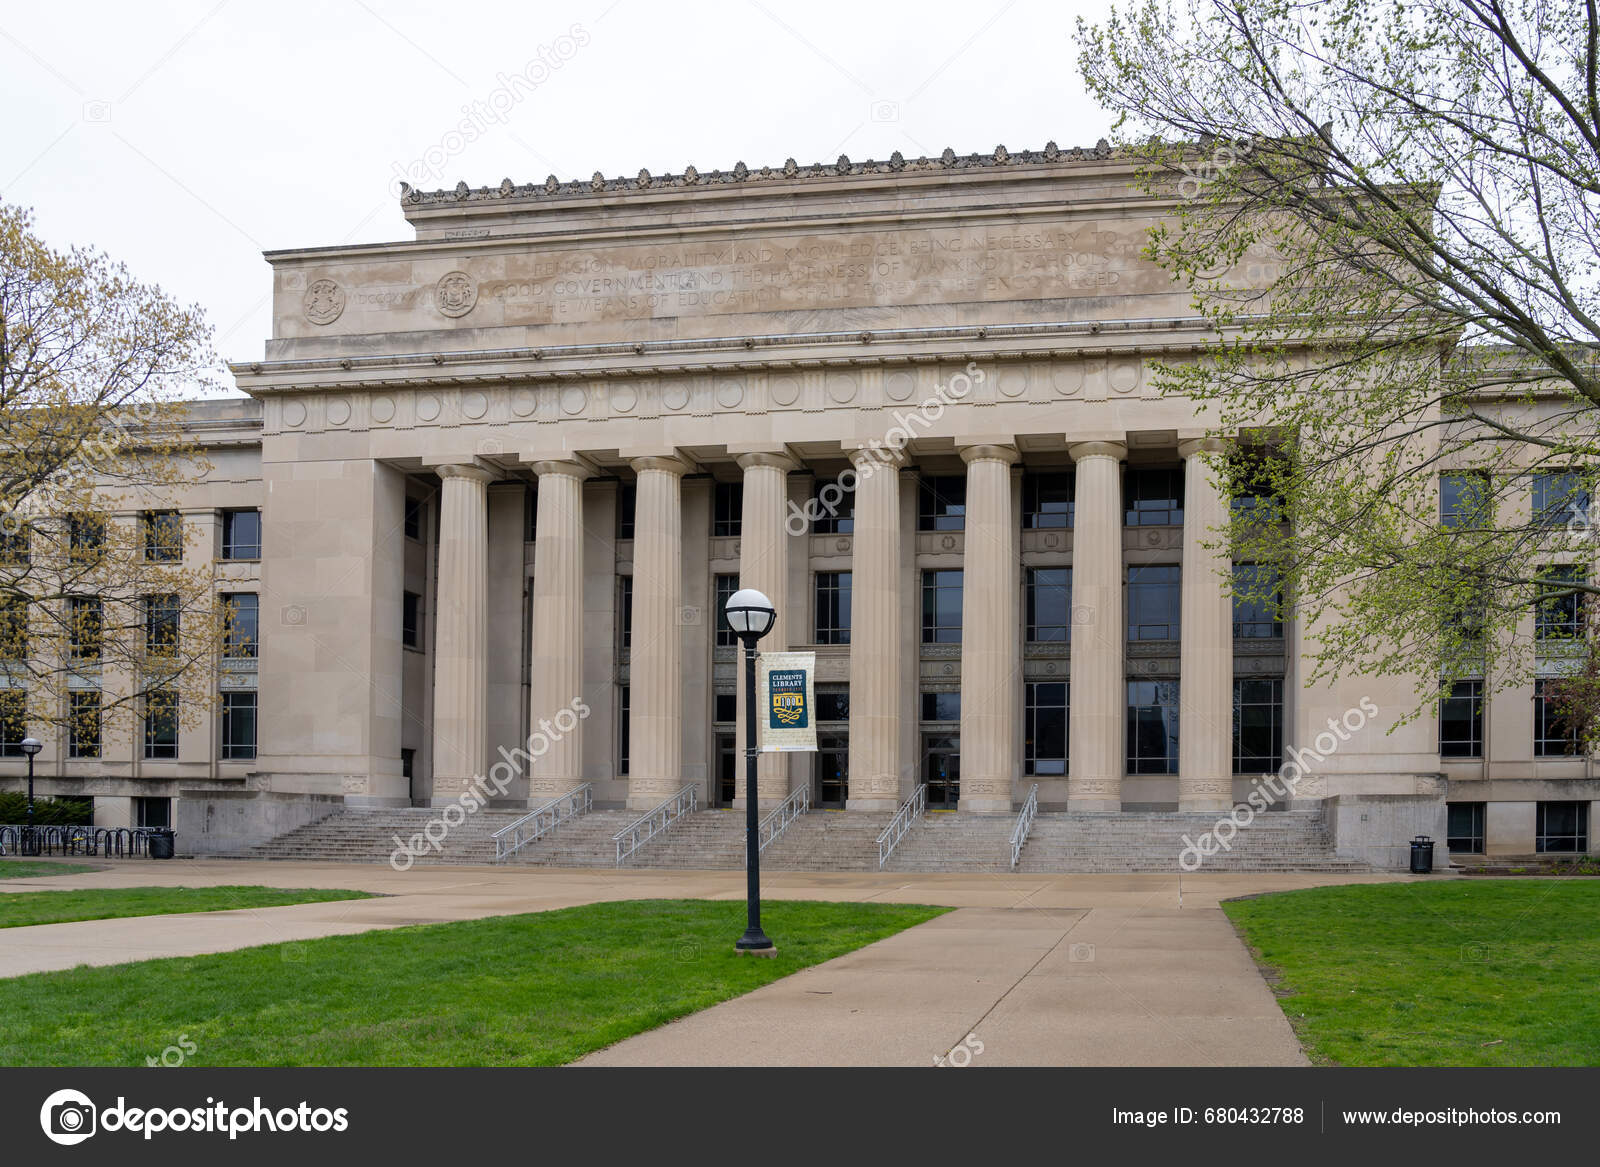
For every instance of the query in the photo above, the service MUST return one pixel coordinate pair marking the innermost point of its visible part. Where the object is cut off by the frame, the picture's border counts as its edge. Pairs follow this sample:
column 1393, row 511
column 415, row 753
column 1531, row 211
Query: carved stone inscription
column 778, row 274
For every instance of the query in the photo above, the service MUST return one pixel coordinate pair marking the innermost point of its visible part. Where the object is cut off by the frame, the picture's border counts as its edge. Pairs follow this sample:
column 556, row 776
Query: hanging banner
column 786, row 697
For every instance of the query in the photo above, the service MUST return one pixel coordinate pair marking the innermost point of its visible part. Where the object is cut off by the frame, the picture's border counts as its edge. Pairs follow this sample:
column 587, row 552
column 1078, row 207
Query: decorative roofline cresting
column 790, row 171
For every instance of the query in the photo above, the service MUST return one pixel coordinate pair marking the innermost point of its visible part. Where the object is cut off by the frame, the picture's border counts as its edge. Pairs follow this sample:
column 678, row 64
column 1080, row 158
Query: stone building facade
column 506, row 469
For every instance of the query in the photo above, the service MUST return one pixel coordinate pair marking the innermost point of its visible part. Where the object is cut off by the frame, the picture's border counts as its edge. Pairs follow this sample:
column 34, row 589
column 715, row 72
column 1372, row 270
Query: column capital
column 1078, row 451
column 876, row 457
column 1189, row 447
column 473, row 471
column 666, row 463
column 769, row 458
column 990, row 452
column 561, row 468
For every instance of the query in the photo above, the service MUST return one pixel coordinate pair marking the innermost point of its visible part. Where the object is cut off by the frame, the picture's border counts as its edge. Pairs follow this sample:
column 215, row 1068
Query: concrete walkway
column 1038, row 969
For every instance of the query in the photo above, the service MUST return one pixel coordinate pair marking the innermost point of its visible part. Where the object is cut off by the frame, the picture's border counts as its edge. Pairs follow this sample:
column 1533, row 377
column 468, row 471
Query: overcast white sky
column 186, row 138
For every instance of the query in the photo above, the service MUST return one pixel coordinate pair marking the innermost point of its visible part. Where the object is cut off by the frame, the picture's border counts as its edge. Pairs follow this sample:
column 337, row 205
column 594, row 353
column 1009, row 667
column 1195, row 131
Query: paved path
column 1040, row 969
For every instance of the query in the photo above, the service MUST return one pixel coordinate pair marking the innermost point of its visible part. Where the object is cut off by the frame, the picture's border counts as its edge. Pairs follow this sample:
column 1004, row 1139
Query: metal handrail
column 778, row 819
column 544, row 818
column 900, row 825
column 1019, row 834
column 655, row 820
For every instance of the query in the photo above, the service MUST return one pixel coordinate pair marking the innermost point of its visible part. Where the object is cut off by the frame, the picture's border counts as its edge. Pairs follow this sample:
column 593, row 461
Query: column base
column 1094, row 805
column 1205, row 805
column 871, row 805
column 984, row 806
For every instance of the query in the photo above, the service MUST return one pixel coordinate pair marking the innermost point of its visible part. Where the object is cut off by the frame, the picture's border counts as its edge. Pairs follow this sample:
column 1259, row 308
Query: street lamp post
column 30, row 746
column 751, row 615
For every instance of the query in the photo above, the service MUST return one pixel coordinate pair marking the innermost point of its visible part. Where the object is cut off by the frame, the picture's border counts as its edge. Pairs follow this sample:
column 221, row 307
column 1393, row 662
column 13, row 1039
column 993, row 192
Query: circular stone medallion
column 323, row 302
column 455, row 294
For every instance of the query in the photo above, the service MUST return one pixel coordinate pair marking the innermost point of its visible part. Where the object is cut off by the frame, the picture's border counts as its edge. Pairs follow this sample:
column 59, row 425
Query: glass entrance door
column 941, row 770
column 833, row 769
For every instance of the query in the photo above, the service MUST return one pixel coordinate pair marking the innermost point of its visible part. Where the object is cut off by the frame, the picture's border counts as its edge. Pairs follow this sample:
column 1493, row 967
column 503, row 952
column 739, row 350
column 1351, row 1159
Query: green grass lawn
column 1461, row 973
column 528, row 990
column 32, row 869
column 105, row 903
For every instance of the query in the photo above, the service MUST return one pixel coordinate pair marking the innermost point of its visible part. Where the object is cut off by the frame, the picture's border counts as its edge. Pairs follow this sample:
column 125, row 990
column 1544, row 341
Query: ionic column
column 991, row 649
column 875, row 640
column 1205, row 676
column 557, row 651
column 655, row 683
column 1098, row 701
column 461, row 646
column 764, row 565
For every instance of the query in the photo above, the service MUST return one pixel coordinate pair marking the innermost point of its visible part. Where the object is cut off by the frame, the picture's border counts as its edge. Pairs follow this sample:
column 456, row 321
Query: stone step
column 826, row 840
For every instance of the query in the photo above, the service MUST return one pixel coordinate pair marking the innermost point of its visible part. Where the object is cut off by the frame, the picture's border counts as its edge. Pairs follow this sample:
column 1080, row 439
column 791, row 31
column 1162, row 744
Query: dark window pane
column 1047, row 501
column 1463, row 499
column 941, row 707
column 1559, row 499
column 1465, row 830
column 833, row 607
column 942, row 503
column 725, row 586
column 241, row 534
column 238, row 726
column 1257, row 725
column 161, row 724
column 1461, row 721
column 834, row 507
column 727, row 508
column 1045, row 728
column 625, row 610
column 1256, row 617
column 411, row 620
column 833, row 705
column 1152, row 727
column 1553, row 737
column 243, row 636
column 1154, row 602
column 163, row 536
column 1049, row 603
column 627, row 497
column 1563, row 827
column 83, row 726
column 941, row 607
column 1559, row 613
column 1154, row 498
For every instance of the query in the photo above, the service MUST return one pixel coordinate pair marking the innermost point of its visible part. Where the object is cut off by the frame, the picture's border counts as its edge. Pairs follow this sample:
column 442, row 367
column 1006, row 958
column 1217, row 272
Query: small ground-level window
column 1563, row 827
column 152, row 812
column 1466, row 827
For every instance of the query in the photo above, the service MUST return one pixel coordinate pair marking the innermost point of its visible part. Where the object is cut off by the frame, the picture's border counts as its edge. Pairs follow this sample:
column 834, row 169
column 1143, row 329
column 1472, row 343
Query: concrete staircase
column 951, row 841
column 367, row 835
column 828, row 840
column 834, row 841
column 1275, row 841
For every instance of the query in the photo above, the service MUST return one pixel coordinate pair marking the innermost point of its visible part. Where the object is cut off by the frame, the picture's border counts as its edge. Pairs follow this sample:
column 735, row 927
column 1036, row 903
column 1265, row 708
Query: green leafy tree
column 1387, row 213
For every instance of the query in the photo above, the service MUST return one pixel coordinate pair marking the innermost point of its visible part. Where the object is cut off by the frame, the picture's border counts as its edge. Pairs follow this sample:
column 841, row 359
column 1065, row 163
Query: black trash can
column 1421, row 855
column 161, row 846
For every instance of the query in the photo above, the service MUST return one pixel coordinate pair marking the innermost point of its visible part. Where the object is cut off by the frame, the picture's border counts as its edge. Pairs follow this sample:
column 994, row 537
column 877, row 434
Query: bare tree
column 101, row 618
column 1388, row 212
